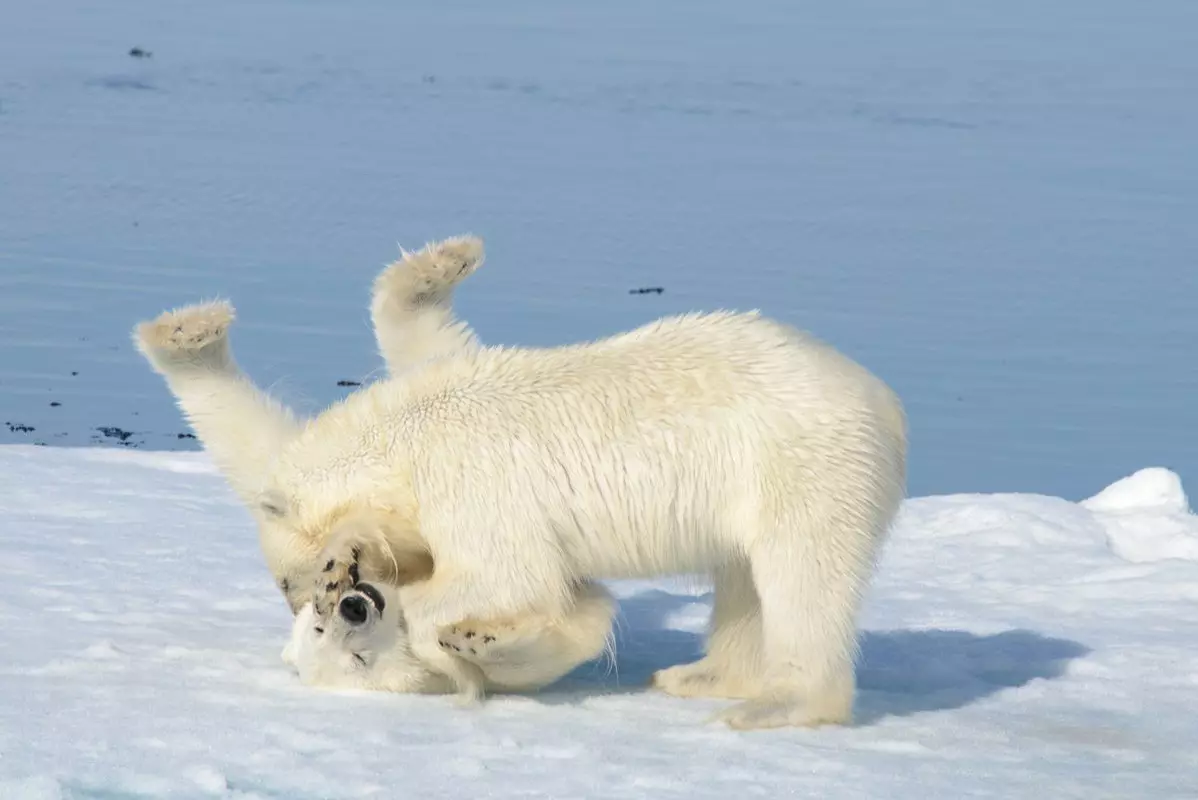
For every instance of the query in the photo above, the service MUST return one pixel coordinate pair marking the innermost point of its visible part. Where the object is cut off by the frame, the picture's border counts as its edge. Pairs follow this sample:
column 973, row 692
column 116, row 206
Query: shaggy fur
column 722, row 443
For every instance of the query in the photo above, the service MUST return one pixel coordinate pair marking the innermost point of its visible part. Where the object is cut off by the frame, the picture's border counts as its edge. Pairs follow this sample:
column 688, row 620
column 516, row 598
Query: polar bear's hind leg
column 412, row 305
column 241, row 426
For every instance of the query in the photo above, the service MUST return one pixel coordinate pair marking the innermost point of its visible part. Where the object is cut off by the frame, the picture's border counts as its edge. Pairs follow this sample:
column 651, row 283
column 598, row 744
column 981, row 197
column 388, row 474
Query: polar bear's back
column 679, row 425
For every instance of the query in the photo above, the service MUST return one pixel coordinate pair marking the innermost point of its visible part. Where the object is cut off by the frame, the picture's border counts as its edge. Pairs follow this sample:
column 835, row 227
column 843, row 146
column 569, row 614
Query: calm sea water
column 992, row 208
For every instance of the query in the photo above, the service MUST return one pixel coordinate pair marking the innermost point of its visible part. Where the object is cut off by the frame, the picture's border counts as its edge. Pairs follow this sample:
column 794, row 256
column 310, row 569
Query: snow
column 1011, row 648
column 1147, row 517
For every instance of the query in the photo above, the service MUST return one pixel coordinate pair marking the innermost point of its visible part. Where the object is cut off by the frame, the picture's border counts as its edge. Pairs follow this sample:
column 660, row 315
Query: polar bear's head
column 362, row 644
column 297, row 530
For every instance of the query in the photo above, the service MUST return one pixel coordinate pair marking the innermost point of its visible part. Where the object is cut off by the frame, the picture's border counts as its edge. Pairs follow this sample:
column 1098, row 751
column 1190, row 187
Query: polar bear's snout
column 353, row 609
column 356, row 606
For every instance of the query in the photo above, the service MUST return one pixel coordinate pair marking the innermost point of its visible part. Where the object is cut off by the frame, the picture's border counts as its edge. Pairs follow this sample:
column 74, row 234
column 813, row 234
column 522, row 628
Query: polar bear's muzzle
column 355, row 606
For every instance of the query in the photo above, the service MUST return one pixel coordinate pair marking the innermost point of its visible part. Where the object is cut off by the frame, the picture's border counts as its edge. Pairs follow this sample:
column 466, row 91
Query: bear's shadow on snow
column 899, row 673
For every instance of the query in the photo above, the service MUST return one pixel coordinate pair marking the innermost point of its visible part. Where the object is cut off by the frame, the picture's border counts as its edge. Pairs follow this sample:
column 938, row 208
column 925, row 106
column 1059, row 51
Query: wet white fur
column 721, row 443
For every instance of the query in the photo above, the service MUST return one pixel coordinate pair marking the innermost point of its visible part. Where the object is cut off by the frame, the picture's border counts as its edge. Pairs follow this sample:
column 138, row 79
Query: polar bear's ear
column 273, row 504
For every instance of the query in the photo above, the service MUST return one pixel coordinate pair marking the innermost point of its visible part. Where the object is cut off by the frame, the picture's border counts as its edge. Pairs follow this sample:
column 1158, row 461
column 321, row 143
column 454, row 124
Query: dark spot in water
column 74, row 373
column 186, row 435
column 137, row 52
column 17, row 427
column 115, row 433
column 349, row 383
column 647, row 290
column 124, row 83
column 54, row 404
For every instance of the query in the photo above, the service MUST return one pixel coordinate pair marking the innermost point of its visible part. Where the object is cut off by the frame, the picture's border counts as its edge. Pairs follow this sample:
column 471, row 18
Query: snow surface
column 1011, row 649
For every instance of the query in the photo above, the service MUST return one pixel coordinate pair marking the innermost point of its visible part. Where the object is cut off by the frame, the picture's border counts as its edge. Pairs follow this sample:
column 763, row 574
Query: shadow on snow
column 899, row 673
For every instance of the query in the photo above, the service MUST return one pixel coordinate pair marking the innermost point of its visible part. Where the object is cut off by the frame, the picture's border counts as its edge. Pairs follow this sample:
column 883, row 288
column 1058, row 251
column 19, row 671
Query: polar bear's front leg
column 451, row 596
column 241, row 426
column 412, row 305
column 533, row 650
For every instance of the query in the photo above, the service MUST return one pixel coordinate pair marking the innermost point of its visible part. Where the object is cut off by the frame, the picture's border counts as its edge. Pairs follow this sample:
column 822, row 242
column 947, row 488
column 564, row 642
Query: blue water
column 993, row 208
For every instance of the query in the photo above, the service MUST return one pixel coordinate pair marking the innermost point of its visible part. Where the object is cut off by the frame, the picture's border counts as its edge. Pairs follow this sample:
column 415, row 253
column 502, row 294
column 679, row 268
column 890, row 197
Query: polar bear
column 724, row 443
column 364, row 644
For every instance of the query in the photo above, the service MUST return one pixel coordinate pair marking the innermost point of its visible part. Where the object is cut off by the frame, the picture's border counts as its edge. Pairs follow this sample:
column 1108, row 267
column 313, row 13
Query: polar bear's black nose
column 353, row 609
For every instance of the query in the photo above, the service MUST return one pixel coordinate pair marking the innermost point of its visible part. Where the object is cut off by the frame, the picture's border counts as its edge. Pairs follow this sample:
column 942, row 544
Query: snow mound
column 1147, row 517
column 1155, row 489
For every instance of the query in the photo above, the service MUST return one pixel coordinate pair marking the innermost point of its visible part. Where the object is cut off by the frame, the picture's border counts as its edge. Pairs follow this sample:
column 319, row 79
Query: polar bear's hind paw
column 188, row 329
column 429, row 275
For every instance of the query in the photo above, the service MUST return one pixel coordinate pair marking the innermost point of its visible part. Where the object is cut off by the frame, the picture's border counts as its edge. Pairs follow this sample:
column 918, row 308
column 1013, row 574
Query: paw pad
column 336, row 578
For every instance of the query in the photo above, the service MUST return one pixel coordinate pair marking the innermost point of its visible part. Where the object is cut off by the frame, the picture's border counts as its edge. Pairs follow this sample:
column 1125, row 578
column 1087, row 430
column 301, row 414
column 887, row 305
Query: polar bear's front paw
column 704, row 678
column 338, row 575
column 490, row 641
column 785, row 710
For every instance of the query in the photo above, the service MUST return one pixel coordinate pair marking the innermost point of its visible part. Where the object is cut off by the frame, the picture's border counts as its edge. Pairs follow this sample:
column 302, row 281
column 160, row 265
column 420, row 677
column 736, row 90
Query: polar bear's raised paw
column 188, row 328
column 197, row 333
column 428, row 275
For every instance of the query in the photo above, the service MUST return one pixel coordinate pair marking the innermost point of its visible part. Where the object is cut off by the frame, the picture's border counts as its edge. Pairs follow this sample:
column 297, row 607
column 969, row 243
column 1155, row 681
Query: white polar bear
column 364, row 645
column 723, row 443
